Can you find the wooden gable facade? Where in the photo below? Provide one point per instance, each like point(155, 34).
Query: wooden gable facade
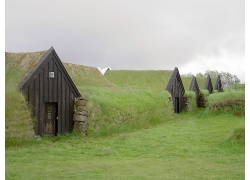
point(176, 89)
point(208, 85)
point(195, 88)
point(50, 93)
point(218, 84)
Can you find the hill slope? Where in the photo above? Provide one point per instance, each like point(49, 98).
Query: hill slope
point(152, 80)
point(18, 121)
point(118, 108)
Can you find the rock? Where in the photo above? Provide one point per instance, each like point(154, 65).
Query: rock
point(79, 117)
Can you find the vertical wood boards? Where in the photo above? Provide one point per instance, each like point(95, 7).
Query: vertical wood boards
point(218, 84)
point(176, 89)
point(39, 88)
point(195, 88)
point(208, 85)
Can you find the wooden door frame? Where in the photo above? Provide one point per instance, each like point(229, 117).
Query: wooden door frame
point(53, 114)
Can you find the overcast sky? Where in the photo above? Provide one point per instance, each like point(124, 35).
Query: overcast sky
point(193, 35)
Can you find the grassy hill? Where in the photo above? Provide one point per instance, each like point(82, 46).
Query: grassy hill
point(151, 80)
point(117, 108)
point(122, 100)
point(188, 146)
point(112, 108)
point(18, 120)
point(87, 76)
point(133, 133)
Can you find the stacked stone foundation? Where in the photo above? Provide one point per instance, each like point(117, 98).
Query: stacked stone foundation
point(81, 115)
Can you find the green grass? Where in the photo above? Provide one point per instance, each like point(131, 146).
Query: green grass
point(202, 81)
point(228, 95)
point(192, 100)
point(116, 108)
point(133, 133)
point(125, 110)
point(188, 146)
point(151, 80)
point(229, 101)
point(18, 121)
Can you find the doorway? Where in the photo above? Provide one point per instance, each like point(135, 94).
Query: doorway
point(50, 123)
point(176, 105)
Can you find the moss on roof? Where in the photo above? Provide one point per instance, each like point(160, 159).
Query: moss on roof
point(18, 120)
point(86, 75)
point(18, 65)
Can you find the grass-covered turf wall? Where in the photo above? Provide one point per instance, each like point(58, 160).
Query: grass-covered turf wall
point(18, 120)
point(119, 101)
point(133, 133)
point(116, 108)
point(229, 101)
point(151, 80)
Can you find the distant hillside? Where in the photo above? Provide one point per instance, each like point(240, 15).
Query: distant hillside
point(86, 75)
point(152, 80)
point(121, 100)
point(200, 80)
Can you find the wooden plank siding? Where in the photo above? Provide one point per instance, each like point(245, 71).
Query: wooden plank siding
point(208, 85)
point(176, 89)
point(218, 84)
point(41, 103)
point(59, 75)
point(195, 88)
point(39, 89)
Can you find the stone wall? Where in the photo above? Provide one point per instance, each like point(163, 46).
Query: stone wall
point(202, 101)
point(186, 103)
point(81, 115)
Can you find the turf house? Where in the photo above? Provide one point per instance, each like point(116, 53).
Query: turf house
point(218, 84)
point(195, 88)
point(50, 92)
point(176, 89)
point(208, 85)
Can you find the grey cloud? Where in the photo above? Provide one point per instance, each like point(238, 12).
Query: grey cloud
point(138, 34)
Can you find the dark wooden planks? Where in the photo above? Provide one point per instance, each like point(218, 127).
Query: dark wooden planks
point(176, 89)
point(40, 89)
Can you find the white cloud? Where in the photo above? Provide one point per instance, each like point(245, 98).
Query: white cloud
point(225, 62)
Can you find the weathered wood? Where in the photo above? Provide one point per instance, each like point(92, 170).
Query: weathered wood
point(36, 101)
point(195, 88)
point(67, 119)
point(218, 84)
point(59, 102)
point(41, 103)
point(176, 89)
point(60, 90)
point(55, 90)
point(208, 85)
point(63, 98)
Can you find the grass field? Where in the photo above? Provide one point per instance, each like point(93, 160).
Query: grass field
point(191, 146)
point(132, 134)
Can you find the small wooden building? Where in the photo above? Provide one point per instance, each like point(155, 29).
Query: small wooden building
point(208, 85)
point(176, 89)
point(50, 93)
point(194, 87)
point(218, 84)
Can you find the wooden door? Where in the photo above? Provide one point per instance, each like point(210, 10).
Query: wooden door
point(177, 110)
point(50, 119)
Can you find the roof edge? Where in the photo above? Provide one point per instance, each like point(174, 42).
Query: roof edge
point(26, 78)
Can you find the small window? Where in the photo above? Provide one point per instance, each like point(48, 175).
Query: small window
point(51, 74)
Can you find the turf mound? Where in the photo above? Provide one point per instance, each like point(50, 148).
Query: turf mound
point(117, 107)
point(152, 80)
point(18, 121)
point(229, 101)
point(87, 76)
